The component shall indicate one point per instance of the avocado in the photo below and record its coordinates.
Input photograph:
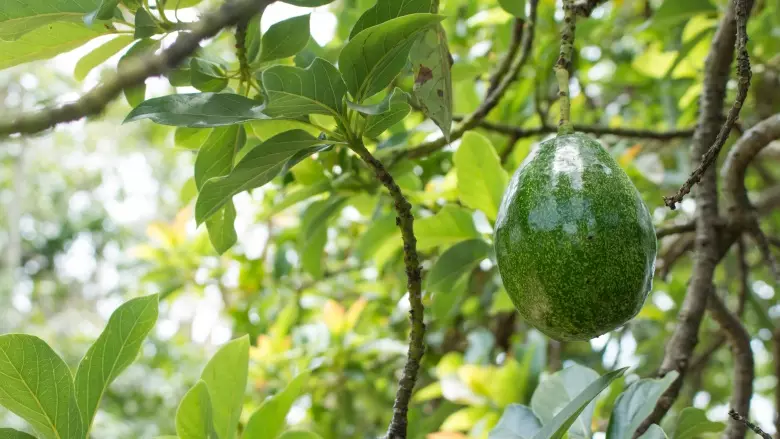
(574, 241)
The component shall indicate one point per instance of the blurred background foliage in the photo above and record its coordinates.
(97, 212)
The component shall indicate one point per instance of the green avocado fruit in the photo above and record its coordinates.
(574, 241)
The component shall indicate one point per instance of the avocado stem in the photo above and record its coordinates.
(562, 67)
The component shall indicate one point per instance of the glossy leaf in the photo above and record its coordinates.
(391, 110)
(38, 387)
(207, 76)
(145, 24)
(136, 95)
(100, 55)
(19, 17)
(190, 138)
(257, 168)
(375, 56)
(295, 92)
(10, 433)
(517, 422)
(654, 432)
(45, 42)
(265, 129)
(481, 179)
(430, 58)
(693, 423)
(456, 262)
(115, 349)
(557, 427)
(198, 110)
(104, 11)
(635, 404)
(285, 38)
(385, 10)
(269, 420)
(225, 376)
(450, 225)
(560, 389)
(194, 415)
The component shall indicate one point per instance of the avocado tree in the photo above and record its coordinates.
(378, 164)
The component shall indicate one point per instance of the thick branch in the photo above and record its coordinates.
(405, 221)
(709, 249)
(136, 71)
(492, 100)
(518, 26)
(563, 65)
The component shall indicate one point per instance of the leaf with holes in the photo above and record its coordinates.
(430, 58)
(198, 110)
(285, 38)
(295, 92)
(375, 56)
(38, 387)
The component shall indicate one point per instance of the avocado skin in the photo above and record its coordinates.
(574, 241)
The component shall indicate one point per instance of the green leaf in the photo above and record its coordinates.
(115, 349)
(559, 390)
(19, 17)
(517, 422)
(285, 38)
(225, 376)
(557, 427)
(257, 168)
(104, 12)
(294, 197)
(514, 7)
(635, 404)
(654, 432)
(136, 95)
(375, 56)
(295, 92)
(481, 179)
(190, 138)
(314, 233)
(38, 387)
(253, 38)
(207, 76)
(308, 3)
(198, 110)
(265, 129)
(430, 58)
(181, 4)
(10, 433)
(269, 420)
(396, 109)
(45, 42)
(450, 225)
(145, 24)
(221, 228)
(299, 434)
(194, 415)
(456, 262)
(693, 423)
(673, 10)
(100, 55)
(385, 10)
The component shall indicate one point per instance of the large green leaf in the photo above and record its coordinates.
(46, 42)
(265, 129)
(481, 179)
(285, 38)
(194, 417)
(257, 168)
(385, 10)
(375, 56)
(430, 58)
(207, 76)
(295, 92)
(654, 432)
(396, 109)
(10, 433)
(19, 17)
(198, 110)
(517, 422)
(560, 389)
(100, 55)
(225, 376)
(269, 420)
(37, 386)
(314, 233)
(456, 262)
(635, 404)
(693, 423)
(115, 349)
(450, 225)
(136, 95)
(557, 427)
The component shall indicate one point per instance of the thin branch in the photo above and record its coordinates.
(742, 11)
(517, 37)
(739, 418)
(710, 247)
(492, 100)
(512, 130)
(674, 230)
(136, 71)
(405, 221)
(744, 366)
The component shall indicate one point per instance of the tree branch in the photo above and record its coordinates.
(741, 9)
(519, 132)
(492, 100)
(776, 349)
(136, 70)
(563, 65)
(739, 418)
(405, 221)
(709, 250)
(518, 26)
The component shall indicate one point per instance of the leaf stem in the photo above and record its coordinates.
(563, 64)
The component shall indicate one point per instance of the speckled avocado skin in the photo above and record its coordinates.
(574, 241)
